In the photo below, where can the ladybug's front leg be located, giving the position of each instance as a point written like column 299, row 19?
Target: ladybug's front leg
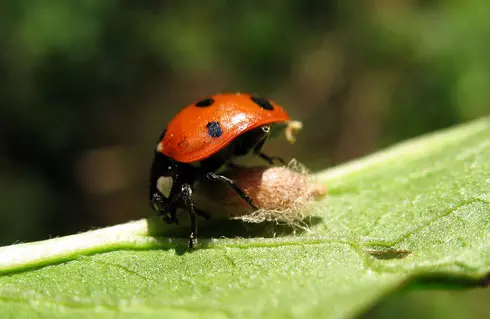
column 165, row 208
column 186, row 194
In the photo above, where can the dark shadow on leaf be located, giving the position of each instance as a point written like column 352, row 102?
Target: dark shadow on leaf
column 447, row 281
column 228, row 228
column 424, row 282
column 221, row 228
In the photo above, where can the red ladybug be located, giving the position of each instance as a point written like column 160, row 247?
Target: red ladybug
column 202, row 138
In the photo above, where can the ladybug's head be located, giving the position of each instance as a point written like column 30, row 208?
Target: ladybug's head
column 172, row 174
column 161, row 182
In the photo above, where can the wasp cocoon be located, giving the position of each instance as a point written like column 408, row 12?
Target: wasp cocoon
column 282, row 194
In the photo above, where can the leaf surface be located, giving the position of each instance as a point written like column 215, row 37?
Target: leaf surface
column 416, row 213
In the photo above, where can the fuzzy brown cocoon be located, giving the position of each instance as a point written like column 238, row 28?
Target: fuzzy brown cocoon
column 282, row 194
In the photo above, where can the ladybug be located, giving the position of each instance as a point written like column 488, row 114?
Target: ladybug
column 204, row 137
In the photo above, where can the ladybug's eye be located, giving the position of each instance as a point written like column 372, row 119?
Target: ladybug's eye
column 263, row 103
column 266, row 128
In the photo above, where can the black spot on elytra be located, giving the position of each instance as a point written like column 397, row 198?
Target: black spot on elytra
column 205, row 103
column 214, row 130
column 263, row 103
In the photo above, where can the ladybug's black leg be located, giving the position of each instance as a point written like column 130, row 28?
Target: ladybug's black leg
column 258, row 151
column 170, row 216
column 230, row 183
column 271, row 159
column 157, row 202
column 167, row 207
column 187, row 198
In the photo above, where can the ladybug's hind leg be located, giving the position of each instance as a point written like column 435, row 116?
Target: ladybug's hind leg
column 230, row 183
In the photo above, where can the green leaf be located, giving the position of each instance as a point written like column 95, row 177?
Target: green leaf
column 413, row 215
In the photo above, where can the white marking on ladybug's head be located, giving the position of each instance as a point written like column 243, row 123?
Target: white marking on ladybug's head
column 164, row 185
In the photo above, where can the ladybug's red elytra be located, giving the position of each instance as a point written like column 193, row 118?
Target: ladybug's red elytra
column 202, row 138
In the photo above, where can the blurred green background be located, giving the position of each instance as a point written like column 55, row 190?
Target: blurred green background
column 87, row 86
